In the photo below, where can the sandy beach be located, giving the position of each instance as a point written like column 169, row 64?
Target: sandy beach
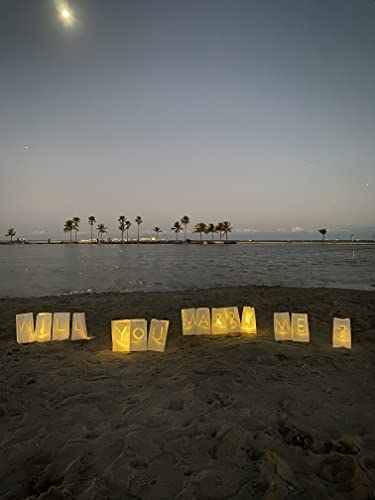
column 211, row 418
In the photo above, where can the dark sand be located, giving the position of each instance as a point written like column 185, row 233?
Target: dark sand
column 211, row 418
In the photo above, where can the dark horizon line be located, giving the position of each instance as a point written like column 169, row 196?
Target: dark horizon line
column 187, row 241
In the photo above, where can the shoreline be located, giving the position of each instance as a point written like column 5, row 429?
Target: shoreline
column 213, row 417
column 188, row 291
column 195, row 242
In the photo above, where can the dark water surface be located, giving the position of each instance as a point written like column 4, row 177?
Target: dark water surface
column 58, row 269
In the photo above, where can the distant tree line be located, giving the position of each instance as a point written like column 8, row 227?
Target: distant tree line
column 72, row 226
column 222, row 229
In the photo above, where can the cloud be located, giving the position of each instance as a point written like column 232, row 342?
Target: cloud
column 38, row 232
column 249, row 230
column 297, row 229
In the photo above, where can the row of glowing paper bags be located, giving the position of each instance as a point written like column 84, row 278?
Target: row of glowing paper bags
column 127, row 334
column 50, row 326
column 131, row 334
column 226, row 320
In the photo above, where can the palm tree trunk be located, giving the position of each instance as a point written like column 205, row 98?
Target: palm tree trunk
column 138, row 232
column 122, row 236
column 127, row 236
column 226, row 235
column 91, row 233
column 185, row 231
column 200, row 236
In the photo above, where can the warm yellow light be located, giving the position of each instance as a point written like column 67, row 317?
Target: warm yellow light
column 138, row 335
column 121, row 335
column 219, row 323
column 65, row 13
column 189, row 324
column 342, row 334
column 232, row 317
column 158, row 335
column 300, row 328
column 282, row 326
column 248, row 323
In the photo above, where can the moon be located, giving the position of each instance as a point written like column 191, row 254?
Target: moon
column 65, row 13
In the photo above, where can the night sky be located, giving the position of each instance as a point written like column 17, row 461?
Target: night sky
column 261, row 112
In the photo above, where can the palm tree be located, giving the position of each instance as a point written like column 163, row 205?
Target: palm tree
column 11, row 232
column 211, row 228
column 68, row 227
column 122, row 222
column 157, row 230
column 127, row 227
column 323, row 232
column 219, row 229
column 91, row 221
column 200, row 228
column 185, row 221
column 76, row 222
column 102, row 229
column 139, row 221
column 226, row 228
column 177, row 228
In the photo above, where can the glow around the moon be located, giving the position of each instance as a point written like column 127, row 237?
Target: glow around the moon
column 65, row 13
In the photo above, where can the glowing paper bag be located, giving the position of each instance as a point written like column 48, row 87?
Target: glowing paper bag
column 25, row 328
column 233, row 319
column 300, row 328
column 248, row 322
column 282, row 326
column 138, row 335
column 203, row 321
column 188, row 318
column 43, row 327
column 342, row 333
column 120, row 335
column 79, row 330
column 61, row 326
column 157, row 337
column 219, row 323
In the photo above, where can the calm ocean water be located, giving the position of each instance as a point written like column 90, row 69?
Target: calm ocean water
column 27, row 270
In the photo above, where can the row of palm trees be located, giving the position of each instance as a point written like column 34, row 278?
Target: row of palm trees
column 202, row 228
column 222, row 228
column 124, row 224
column 71, row 225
